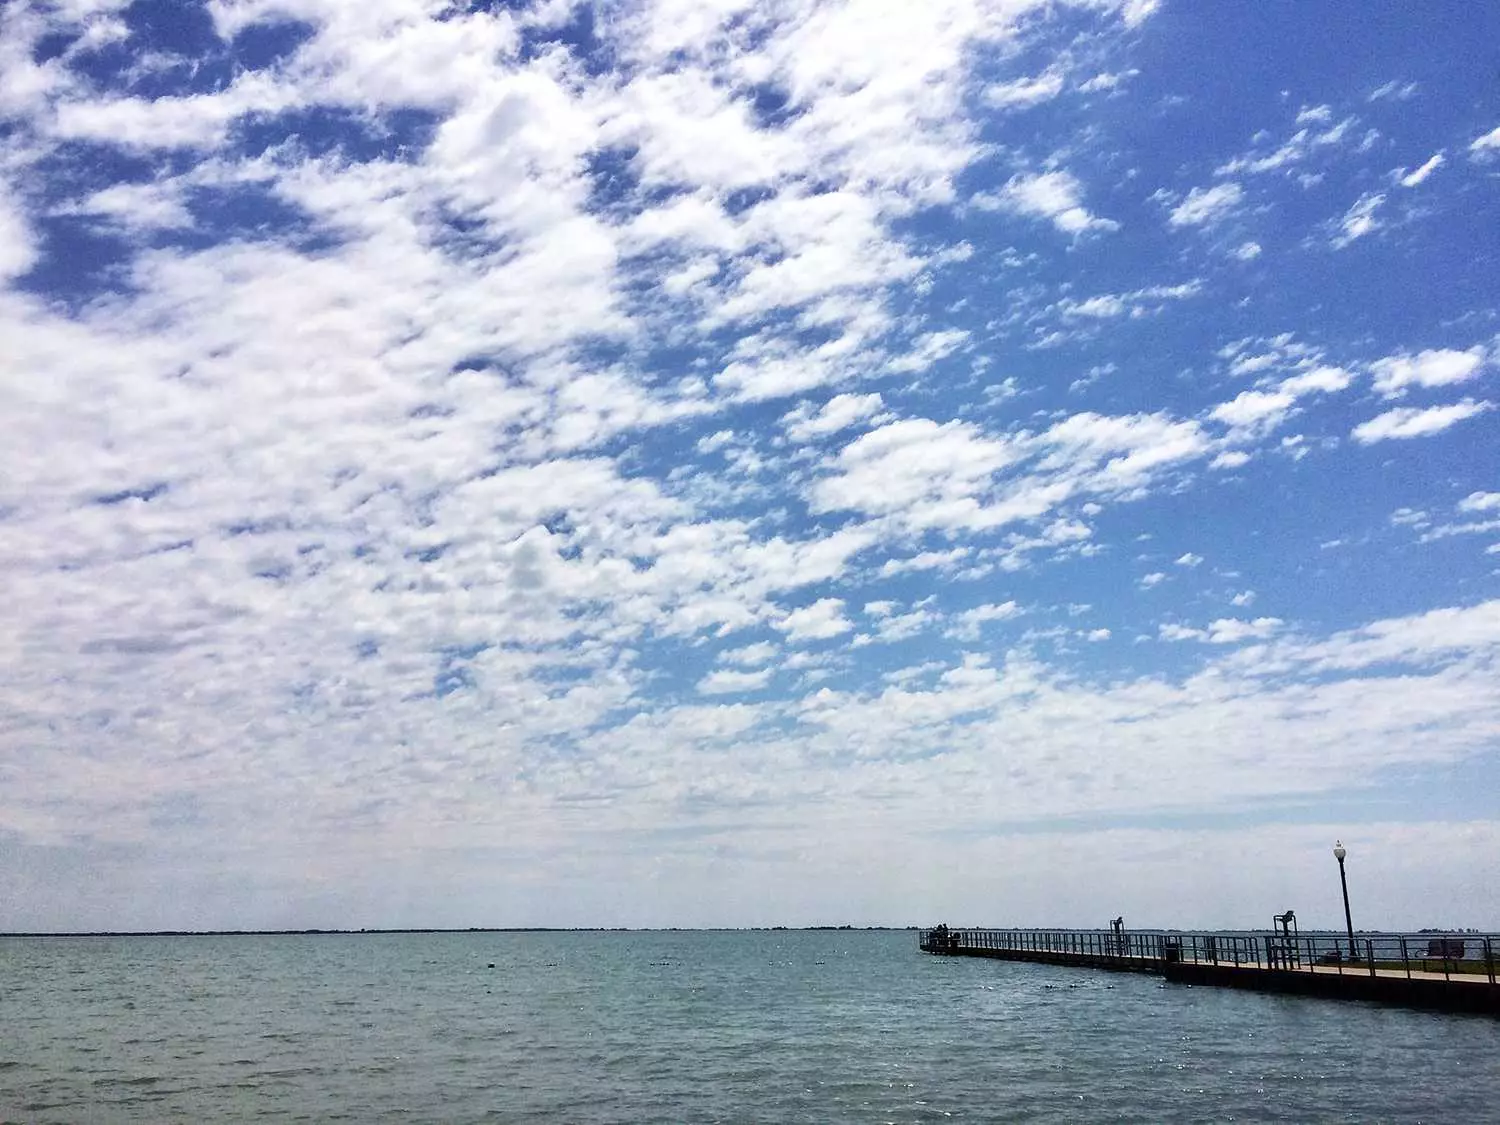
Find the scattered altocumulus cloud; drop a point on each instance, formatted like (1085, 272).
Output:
(1359, 220)
(724, 681)
(1207, 206)
(1054, 196)
(1023, 92)
(1225, 631)
(1419, 174)
(1439, 367)
(491, 465)
(1489, 142)
(1413, 422)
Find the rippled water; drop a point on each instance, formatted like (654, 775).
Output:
(661, 1027)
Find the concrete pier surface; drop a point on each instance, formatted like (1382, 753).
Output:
(1446, 972)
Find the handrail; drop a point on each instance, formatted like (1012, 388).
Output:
(1466, 957)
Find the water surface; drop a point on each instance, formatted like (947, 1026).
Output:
(783, 1026)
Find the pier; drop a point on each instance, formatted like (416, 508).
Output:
(1447, 972)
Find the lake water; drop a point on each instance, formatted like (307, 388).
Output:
(692, 1027)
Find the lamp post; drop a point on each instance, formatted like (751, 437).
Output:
(1338, 854)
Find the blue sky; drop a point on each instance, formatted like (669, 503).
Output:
(700, 462)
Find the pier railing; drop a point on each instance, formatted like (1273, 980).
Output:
(1464, 957)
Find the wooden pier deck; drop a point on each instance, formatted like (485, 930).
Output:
(1455, 973)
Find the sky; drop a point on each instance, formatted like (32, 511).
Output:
(720, 463)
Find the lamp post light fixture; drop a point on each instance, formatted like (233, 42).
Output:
(1338, 854)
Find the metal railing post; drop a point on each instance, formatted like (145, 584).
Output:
(1406, 958)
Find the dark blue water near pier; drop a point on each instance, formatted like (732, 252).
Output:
(663, 1027)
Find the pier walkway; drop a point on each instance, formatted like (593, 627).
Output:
(1450, 972)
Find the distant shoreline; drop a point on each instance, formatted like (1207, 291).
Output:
(450, 930)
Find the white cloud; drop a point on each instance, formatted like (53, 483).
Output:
(892, 628)
(17, 245)
(1325, 380)
(1393, 90)
(1246, 251)
(142, 207)
(1132, 447)
(749, 655)
(1055, 196)
(191, 121)
(1229, 630)
(838, 413)
(1440, 367)
(1488, 142)
(926, 350)
(1206, 207)
(1225, 631)
(817, 622)
(1137, 302)
(1421, 640)
(1253, 355)
(931, 473)
(712, 443)
(1417, 175)
(1359, 220)
(1105, 305)
(1230, 459)
(1301, 146)
(722, 681)
(968, 624)
(1024, 92)
(356, 534)
(1255, 413)
(1106, 81)
(917, 474)
(1409, 422)
(1480, 502)
(1189, 559)
(1254, 408)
